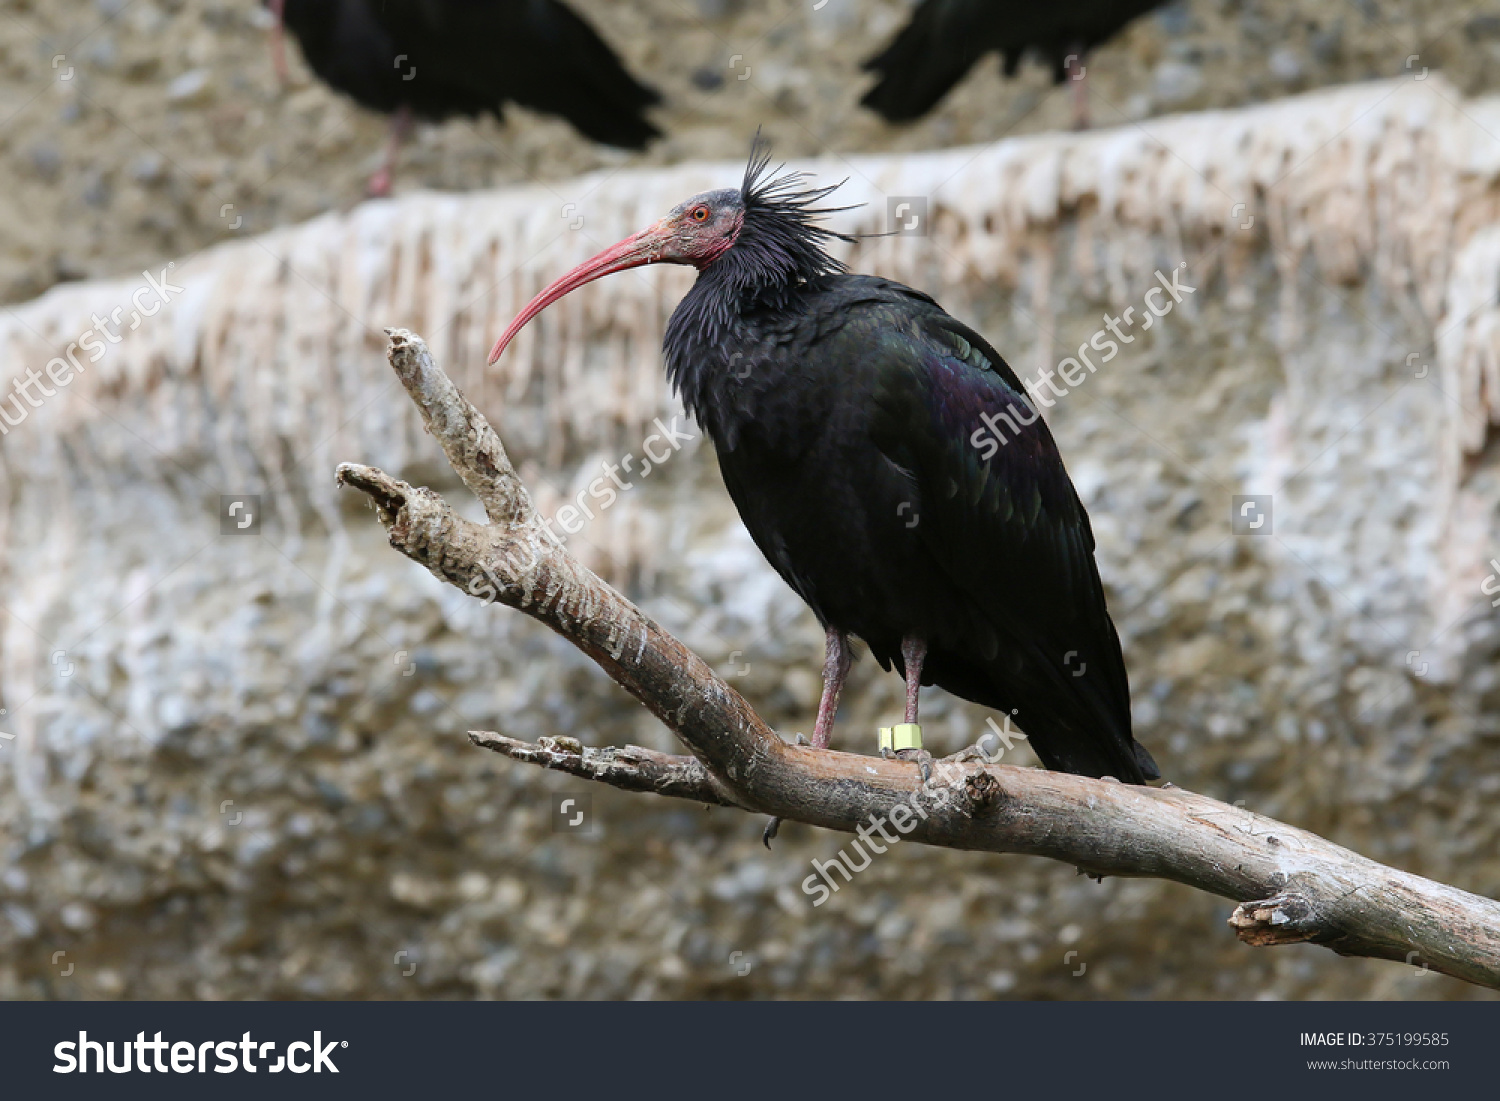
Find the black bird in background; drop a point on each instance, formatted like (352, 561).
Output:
(945, 38)
(849, 414)
(434, 59)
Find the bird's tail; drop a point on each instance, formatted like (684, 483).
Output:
(1080, 719)
(1087, 744)
(599, 96)
(1075, 715)
(1085, 741)
(1148, 764)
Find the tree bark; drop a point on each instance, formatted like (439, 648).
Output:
(1292, 886)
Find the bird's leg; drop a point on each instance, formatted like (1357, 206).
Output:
(913, 654)
(380, 183)
(836, 662)
(1077, 74)
(278, 42)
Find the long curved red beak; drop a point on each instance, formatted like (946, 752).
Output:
(646, 247)
(278, 40)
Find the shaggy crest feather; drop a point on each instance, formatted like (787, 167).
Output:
(782, 243)
(780, 247)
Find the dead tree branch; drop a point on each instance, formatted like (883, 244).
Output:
(1292, 885)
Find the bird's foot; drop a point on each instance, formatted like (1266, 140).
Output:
(988, 749)
(769, 833)
(909, 753)
(921, 757)
(774, 825)
(904, 742)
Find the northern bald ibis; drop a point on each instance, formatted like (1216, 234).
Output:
(944, 38)
(850, 418)
(436, 59)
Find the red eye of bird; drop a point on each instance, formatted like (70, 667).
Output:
(700, 214)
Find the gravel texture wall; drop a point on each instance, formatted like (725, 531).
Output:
(238, 765)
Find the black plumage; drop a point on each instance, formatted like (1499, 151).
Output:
(845, 410)
(439, 59)
(944, 38)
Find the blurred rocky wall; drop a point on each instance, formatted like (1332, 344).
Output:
(237, 764)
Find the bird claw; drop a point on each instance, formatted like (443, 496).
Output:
(769, 833)
(801, 739)
(921, 757)
(988, 749)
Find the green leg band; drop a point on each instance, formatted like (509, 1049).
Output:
(901, 736)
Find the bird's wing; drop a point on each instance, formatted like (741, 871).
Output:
(537, 53)
(944, 38)
(1002, 519)
(931, 54)
(1006, 504)
(347, 48)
